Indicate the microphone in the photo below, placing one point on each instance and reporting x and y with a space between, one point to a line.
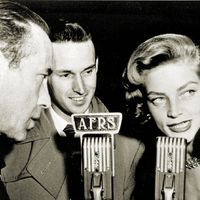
170 168
96 131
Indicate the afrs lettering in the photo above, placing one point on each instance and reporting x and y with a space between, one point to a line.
97 123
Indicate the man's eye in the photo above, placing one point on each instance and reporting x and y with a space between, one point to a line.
88 71
65 75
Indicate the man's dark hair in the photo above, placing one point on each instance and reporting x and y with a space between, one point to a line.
64 31
15 27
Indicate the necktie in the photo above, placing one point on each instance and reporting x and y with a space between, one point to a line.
69 131
3 193
75 180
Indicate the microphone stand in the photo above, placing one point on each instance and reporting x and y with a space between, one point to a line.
97 132
170 168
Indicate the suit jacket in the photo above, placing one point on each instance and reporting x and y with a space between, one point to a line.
36 168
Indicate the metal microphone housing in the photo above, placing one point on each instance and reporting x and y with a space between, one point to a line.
97 132
170 168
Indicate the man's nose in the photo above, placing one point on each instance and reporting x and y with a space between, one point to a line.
79 85
44 100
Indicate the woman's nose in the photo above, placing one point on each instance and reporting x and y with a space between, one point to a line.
174 109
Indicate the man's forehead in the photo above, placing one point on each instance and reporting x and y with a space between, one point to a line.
70 48
40 38
41 46
69 56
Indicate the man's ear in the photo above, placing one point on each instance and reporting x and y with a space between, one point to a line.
97 64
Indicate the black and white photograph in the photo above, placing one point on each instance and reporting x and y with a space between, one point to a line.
99 100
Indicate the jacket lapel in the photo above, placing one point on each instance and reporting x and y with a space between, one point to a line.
51 172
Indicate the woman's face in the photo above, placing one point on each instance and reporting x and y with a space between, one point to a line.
173 92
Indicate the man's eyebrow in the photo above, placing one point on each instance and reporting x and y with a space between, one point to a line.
90 67
63 71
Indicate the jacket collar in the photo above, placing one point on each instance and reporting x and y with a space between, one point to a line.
52 172
40 131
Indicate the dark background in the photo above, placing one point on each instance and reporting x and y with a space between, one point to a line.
117 28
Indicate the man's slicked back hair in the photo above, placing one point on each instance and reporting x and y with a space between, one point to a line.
65 32
15 30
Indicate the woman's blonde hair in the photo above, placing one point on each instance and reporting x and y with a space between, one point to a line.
152 53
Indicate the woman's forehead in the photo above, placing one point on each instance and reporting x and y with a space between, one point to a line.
171 75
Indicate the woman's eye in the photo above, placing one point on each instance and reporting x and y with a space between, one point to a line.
158 100
189 93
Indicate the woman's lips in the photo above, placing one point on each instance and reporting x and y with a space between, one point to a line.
180 127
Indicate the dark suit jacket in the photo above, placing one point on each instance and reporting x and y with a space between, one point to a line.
36 168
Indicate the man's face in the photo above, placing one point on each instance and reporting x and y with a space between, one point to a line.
73 81
23 89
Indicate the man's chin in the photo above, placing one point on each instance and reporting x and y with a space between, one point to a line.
20 136
31 124
82 109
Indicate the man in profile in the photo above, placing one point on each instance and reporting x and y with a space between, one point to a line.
25 61
50 171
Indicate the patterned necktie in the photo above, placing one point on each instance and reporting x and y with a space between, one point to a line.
75 180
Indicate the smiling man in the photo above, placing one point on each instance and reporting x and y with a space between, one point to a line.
73 81
51 164
72 87
41 174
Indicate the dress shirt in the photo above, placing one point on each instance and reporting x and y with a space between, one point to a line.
75 179
60 123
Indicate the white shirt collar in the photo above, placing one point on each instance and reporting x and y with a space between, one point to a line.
58 121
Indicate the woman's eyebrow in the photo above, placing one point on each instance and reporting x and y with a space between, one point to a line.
154 93
187 84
